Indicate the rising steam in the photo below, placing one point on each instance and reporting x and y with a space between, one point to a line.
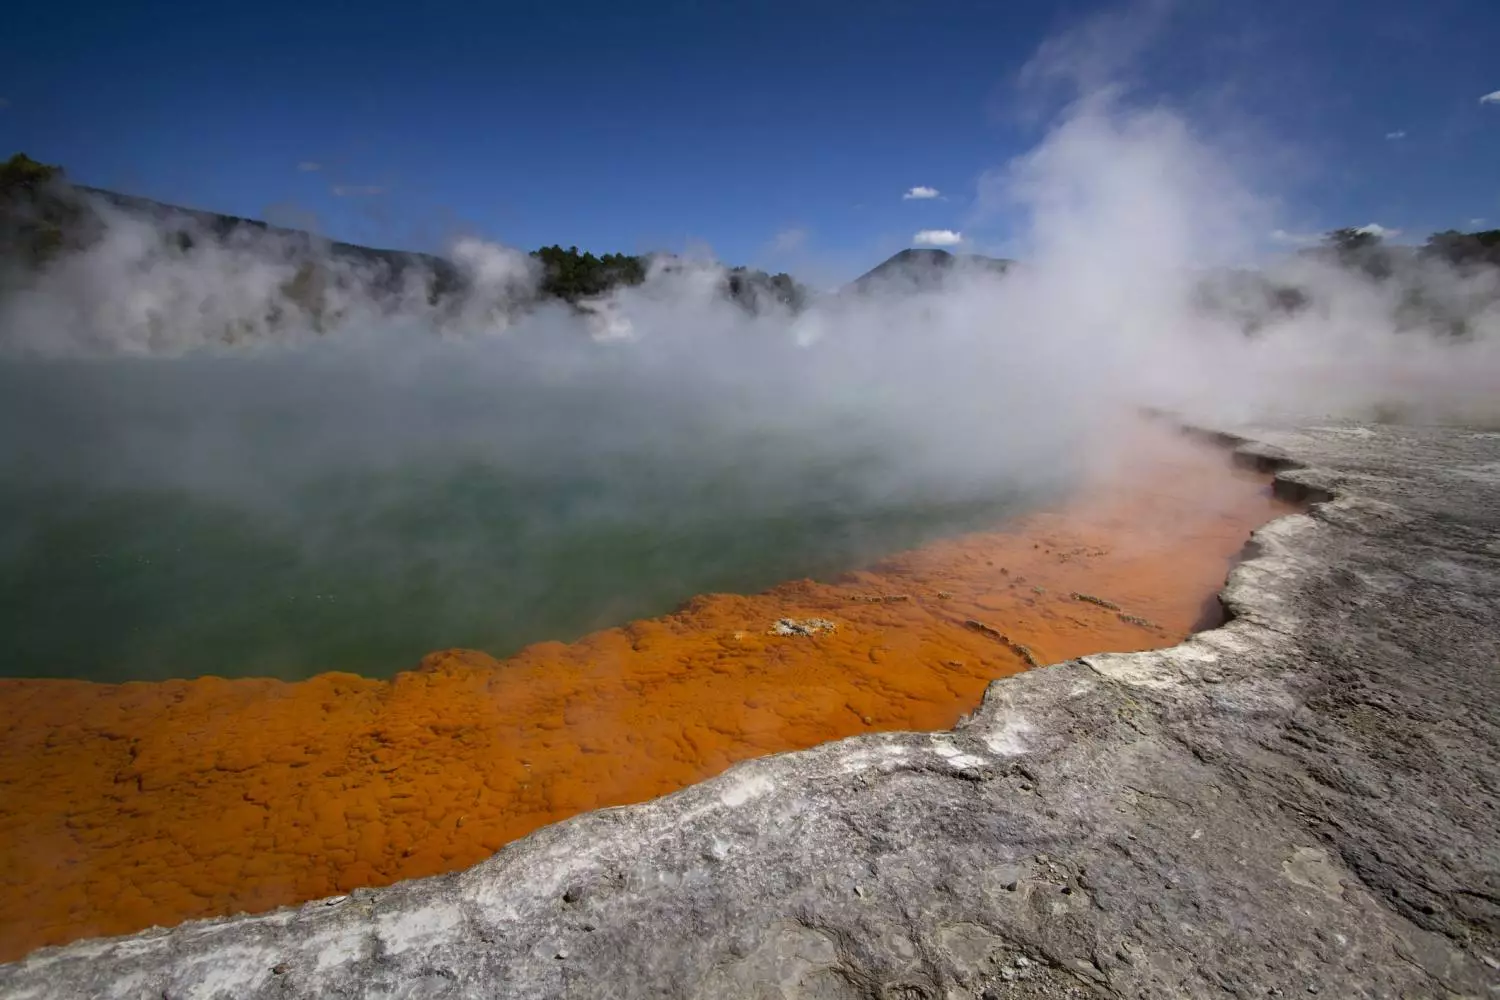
345 402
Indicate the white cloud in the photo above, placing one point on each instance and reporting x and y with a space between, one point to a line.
937 238
356 190
920 193
1376 229
789 240
308 166
1476 221
1099 51
1493 97
1294 239
1398 134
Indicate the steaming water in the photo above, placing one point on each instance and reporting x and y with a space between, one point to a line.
298 512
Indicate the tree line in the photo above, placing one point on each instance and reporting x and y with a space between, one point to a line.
1367 250
38 220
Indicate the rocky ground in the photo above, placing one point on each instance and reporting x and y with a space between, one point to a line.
1302 802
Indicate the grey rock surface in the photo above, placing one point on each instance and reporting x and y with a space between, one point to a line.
1300 803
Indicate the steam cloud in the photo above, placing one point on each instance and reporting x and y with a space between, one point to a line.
217 371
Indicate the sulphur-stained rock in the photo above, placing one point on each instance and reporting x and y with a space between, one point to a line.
1302 802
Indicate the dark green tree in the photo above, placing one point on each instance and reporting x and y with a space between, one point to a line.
1361 249
35 214
1459 248
571 276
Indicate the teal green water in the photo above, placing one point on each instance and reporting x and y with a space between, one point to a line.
114 584
291 514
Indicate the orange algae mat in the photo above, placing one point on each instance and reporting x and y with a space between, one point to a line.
125 806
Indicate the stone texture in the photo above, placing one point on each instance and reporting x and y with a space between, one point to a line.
1302 802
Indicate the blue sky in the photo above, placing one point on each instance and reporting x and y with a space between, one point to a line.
779 134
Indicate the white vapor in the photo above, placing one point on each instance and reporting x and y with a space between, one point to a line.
356 190
920 193
244 367
1398 134
1285 238
789 240
1376 229
1493 97
937 238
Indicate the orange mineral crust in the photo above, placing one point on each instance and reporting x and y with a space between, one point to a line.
124 806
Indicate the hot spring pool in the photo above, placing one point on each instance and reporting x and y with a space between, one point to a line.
112 585
290 514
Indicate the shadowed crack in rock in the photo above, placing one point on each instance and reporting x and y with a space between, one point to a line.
1301 802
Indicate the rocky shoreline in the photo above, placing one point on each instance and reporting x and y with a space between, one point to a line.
1304 801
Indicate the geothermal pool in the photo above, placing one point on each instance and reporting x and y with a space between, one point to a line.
290 513
373 572
139 804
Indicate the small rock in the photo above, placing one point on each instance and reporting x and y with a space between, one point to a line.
1011 886
1022 961
1042 859
562 953
808 626
1086 969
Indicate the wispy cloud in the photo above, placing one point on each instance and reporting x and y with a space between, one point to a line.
920 193
789 240
1477 221
937 238
309 166
1294 239
356 190
1398 134
1493 97
1099 52
1376 229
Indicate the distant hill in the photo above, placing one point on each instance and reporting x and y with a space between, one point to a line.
924 270
43 216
